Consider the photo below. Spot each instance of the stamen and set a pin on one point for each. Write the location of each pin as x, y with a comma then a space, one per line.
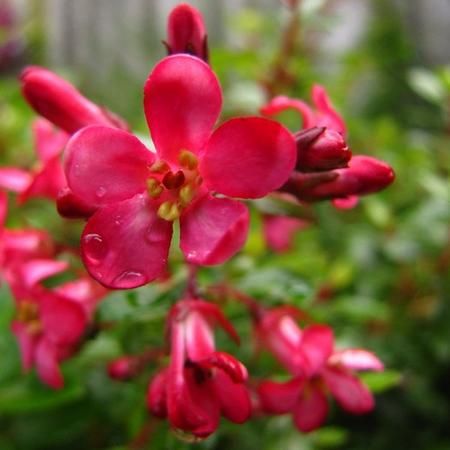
154, 188
159, 166
188, 160
187, 193
169, 211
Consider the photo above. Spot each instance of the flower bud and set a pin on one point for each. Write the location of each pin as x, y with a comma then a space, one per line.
123, 368
186, 32
58, 101
321, 149
364, 175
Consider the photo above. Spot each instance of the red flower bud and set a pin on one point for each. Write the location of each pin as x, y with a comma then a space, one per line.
321, 149
186, 32
58, 101
123, 368
364, 175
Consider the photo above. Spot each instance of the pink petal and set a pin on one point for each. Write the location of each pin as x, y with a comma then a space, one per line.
345, 202
47, 182
125, 245
182, 101
349, 391
34, 271
13, 179
327, 115
27, 343
71, 206
279, 231
199, 336
315, 348
279, 398
157, 395
25, 244
311, 409
229, 364
105, 165
248, 157
233, 397
282, 103
3, 210
212, 230
63, 320
49, 141
47, 364
356, 359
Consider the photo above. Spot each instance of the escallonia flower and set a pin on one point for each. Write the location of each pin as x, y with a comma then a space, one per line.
186, 32
138, 194
326, 169
317, 370
47, 178
49, 323
200, 384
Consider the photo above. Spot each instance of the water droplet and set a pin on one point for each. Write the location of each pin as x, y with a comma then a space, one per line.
100, 192
156, 234
118, 220
191, 255
94, 248
129, 279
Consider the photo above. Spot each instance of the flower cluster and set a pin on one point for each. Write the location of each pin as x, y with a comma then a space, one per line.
201, 174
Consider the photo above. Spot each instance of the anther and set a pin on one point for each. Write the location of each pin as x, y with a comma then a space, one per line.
169, 211
188, 160
187, 193
154, 188
159, 166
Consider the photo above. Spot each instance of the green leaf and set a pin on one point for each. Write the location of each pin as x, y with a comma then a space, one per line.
427, 85
381, 381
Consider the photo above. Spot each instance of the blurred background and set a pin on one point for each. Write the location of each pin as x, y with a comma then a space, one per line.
379, 274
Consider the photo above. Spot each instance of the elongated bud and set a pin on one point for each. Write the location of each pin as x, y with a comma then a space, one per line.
364, 175
321, 148
186, 32
58, 101
123, 369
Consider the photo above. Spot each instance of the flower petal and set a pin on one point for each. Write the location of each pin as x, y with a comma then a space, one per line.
13, 179
182, 101
212, 230
326, 114
345, 202
49, 141
315, 348
279, 231
125, 245
311, 410
248, 157
199, 336
233, 397
36, 270
105, 165
47, 364
27, 343
63, 320
349, 391
279, 398
357, 359
157, 394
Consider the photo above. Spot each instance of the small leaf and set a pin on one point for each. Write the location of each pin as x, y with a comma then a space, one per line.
427, 85
381, 381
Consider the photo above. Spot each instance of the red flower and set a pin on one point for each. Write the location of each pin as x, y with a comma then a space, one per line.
325, 167
50, 323
200, 383
279, 231
186, 32
48, 178
125, 243
317, 370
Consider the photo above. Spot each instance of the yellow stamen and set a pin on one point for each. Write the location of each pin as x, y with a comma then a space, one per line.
169, 211
154, 188
159, 166
188, 160
187, 193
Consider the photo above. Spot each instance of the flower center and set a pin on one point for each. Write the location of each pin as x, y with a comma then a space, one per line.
28, 314
174, 189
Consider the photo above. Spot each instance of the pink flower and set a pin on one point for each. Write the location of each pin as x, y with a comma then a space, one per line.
279, 231
186, 32
50, 323
47, 179
200, 384
317, 371
138, 194
59, 102
325, 167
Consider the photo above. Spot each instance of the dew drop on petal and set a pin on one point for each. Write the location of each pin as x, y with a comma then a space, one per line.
156, 234
94, 248
129, 279
100, 192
